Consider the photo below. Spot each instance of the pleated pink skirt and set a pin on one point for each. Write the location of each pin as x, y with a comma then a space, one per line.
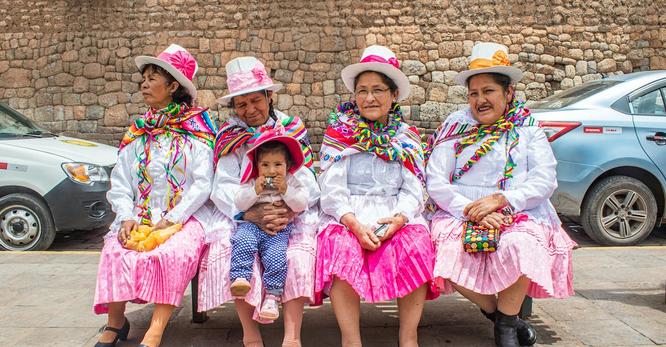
214, 280
402, 264
159, 276
541, 253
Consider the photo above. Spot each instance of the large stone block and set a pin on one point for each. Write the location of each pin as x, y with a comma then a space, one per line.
451, 49
93, 70
437, 92
116, 116
457, 94
15, 78
657, 62
94, 112
413, 67
607, 65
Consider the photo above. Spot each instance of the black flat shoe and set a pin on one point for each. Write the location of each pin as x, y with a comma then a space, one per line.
505, 330
121, 334
527, 335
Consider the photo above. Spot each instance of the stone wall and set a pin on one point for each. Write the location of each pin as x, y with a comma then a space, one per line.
69, 64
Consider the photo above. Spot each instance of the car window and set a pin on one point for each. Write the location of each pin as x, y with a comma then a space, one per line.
573, 95
12, 125
651, 103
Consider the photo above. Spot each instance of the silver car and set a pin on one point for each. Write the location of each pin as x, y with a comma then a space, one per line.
609, 138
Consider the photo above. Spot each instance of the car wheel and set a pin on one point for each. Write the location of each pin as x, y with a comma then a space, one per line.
25, 223
619, 210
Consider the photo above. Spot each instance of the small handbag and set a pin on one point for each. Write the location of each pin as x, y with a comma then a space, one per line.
477, 238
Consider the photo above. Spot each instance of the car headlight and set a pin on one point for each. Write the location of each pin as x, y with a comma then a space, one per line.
85, 173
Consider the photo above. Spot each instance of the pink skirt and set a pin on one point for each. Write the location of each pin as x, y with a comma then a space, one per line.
159, 276
541, 253
215, 265
400, 265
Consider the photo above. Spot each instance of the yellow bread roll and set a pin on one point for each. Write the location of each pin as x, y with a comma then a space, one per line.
145, 238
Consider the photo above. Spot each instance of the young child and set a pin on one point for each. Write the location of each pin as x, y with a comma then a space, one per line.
267, 177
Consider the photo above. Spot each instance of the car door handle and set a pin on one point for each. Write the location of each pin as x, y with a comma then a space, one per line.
658, 137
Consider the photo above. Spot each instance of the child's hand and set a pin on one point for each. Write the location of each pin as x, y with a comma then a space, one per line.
259, 184
280, 183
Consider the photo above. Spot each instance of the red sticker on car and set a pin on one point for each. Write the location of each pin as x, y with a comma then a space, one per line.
593, 130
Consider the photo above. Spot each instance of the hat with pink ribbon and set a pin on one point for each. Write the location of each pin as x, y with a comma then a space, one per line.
246, 75
178, 62
379, 59
275, 134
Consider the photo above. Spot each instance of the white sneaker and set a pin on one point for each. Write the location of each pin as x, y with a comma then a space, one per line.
269, 309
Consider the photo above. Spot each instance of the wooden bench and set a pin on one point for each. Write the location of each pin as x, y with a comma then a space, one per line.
201, 317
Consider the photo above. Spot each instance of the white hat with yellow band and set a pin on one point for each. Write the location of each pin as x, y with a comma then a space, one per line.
489, 57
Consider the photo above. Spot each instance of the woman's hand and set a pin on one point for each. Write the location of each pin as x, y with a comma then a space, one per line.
270, 218
162, 224
126, 228
480, 208
366, 237
395, 223
495, 220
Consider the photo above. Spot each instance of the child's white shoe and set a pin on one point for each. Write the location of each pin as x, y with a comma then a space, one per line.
240, 287
270, 309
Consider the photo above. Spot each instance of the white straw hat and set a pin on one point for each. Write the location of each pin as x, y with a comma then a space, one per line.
378, 59
489, 57
178, 62
246, 75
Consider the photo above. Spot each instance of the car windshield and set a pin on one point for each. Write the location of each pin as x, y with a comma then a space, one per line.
573, 95
13, 124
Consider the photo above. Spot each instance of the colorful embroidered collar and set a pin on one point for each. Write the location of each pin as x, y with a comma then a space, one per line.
234, 134
349, 133
180, 122
487, 135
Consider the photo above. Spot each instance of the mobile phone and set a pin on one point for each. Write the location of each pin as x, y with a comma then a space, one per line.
381, 230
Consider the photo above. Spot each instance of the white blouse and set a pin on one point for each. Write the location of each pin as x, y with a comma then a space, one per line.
371, 188
534, 177
196, 172
227, 184
296, 196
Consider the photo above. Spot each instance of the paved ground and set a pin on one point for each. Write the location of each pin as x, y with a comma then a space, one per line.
619, 301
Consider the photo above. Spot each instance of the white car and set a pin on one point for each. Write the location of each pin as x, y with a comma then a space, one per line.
49, 183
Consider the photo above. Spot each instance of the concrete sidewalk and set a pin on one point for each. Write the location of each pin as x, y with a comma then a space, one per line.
47, 298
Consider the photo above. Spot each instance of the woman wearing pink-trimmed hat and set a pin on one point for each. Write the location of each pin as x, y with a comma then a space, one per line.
492, 171
163, 177
252, 113
373, 242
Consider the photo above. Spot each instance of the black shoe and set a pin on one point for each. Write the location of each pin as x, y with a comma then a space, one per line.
505, 330
527, 335
121, 334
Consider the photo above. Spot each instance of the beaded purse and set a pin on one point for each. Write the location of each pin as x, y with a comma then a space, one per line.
477, 238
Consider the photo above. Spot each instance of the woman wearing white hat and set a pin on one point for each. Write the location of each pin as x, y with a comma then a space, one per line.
163, 177
491, 173
250, 99
373, 242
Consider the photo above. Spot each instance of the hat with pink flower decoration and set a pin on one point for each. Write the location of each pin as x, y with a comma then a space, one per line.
178, 62
246, 75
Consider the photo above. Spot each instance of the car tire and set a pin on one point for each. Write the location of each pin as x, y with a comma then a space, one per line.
626, 206
25, 223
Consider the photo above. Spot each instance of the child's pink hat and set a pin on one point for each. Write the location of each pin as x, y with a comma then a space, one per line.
276, 134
